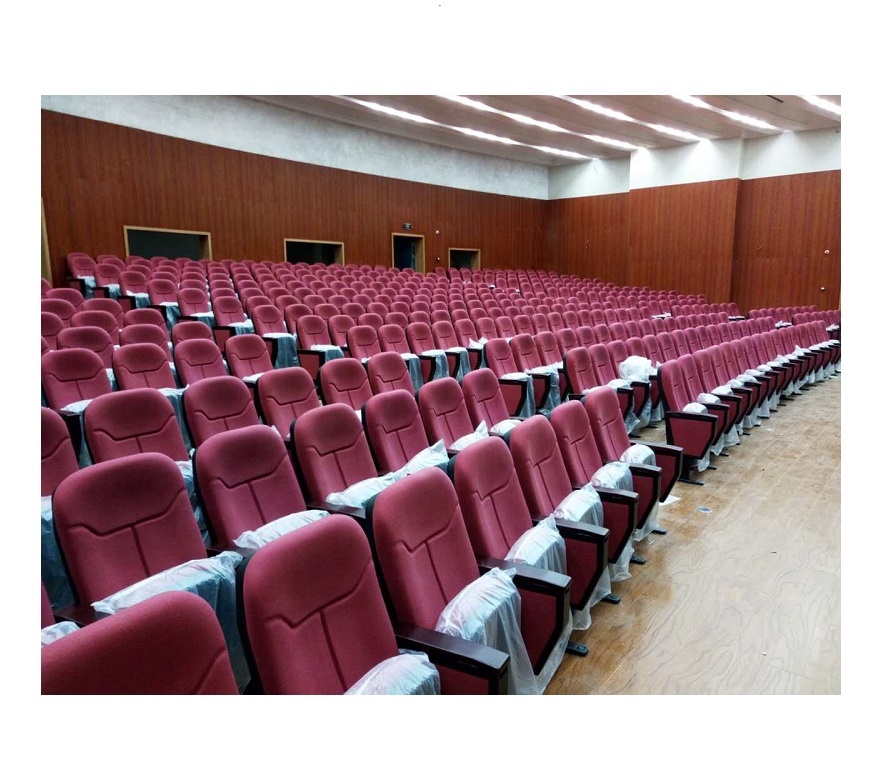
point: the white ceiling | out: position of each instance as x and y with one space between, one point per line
782 112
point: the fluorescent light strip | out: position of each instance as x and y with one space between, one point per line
462 129
737 117
823 104
618 116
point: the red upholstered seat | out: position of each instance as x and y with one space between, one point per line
146 334
187 330
71 375
140 365
443 411
345 381
50 326
216 404
394 428
286 394
246 480
87 337
171 644
197 359
388 371
247 354
57 457
144 316
63 309
132 422
362 341
483 398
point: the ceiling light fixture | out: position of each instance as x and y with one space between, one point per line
732 115
824 104
393 111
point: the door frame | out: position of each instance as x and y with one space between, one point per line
476 250
420 252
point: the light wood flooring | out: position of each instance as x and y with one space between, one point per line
744 599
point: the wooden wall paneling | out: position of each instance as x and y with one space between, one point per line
681 237
783 227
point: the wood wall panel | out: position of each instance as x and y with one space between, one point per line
681 237
589 237
98 177
783 227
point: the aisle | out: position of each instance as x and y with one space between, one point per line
744 599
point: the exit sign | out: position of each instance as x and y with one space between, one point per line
407 226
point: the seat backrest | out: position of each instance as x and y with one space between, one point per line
602 334
80 264
131 422
394 428
525 353
189 329
312 330
122 521
602 364
196 359
576 441
607 424
162 291
247 354
50 326
57 457
362 341
246 480
674 386
227 310
548 348
216 404
618 353
170 644
692 339
539 465
144 316
490 497
500 358
523 324
425 561
285 394
314 612
681 344
485 326
192 300
393 339
146 334
540 321
140 365
339 325
69 294
443 411
387 371
483 398
580 372
87 337
345 381
269 319
444 334
420 337
332 450
63 309
71 375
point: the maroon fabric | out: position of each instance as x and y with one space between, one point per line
345 381
95 318
394 428
216 404
312 329
69 294
171 644
576 441
71 375
122 521
139 365
285 395
500 358
443 411
604 414
314 611
362 341
387 371
144 317
393 339
339 325
192 300
50 326
190 329
197 359
426 561
491 500
57 457
539 465
162 291
246 480
524 351
331 450
247 354
483 398
227 310
580 370
132 422
146 334
268 319
87 337
63 309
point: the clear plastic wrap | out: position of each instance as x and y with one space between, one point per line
53 633
358 494
464 364
187 471
638 454
615 475
212 579
253 540
503 427
84 459
542 546
287 356
175 400
441 364
488 612
409 673
463 442
413 366
581 506
636 368
429 457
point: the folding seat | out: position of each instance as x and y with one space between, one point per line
567 339
145 316
192 283
694 386
63 309
107 277
230 318
362 342
546 378
198 358
539 321
570 319
190 330
246 481
445 415
485 327
131 422
80 265
606 375
162 291
138 365
72 375
523 324
215 404
694 430
394 430
637 375
102 319
285 395
69 294
388 371
375 321
57 456
315 346
127 520
425 563
247 356
485 402
171 644
50 326
339 325
345 381
87 337
555 322
586 336
518 388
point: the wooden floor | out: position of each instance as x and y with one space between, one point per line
744 599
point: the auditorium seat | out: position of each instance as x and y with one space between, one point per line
485 402
394 429
71 375
197 358
50 326
140 365
57 457
247 355
90 337
362 341
171 644
146 334
215 404
444 414
62 309
284 395
388 371
146 316
131 422
69 294
188 330
345 381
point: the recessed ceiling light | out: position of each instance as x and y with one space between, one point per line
824 104
393 111
731 114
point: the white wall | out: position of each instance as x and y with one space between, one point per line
255 127
792 153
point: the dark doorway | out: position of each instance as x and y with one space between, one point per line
464 257
151 242
408 251
307 251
